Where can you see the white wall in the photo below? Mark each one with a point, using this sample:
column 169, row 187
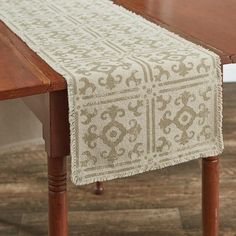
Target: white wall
column 19, row 125
column 230, row 73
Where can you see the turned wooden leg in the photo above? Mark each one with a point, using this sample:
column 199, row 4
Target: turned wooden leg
column 52, row 110
column 210, row 196
column 56, row 135
column 57, row 201
column 99, row 189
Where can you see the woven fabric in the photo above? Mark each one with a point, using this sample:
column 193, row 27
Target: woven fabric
column 140, row 97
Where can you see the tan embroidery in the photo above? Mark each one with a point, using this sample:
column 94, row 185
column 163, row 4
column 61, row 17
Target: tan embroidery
column 140, row 97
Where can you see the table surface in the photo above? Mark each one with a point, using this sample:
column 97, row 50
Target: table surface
column 211, row 23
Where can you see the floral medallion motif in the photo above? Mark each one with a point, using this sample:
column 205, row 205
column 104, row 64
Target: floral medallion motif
column 184, row 118
column 140, row 97
column 113, row 133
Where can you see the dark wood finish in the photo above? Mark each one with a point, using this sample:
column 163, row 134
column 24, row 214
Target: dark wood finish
column 23, row 72
column 233, row 59
column 56, row 135
column 99, row 189
column 17, row 74
column 56, row 124
column 210, row 23
column 52, row 111
column 214, row 29
column 210, row 196
column 57, row 196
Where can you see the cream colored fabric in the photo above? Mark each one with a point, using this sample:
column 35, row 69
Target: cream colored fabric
column 140, row 97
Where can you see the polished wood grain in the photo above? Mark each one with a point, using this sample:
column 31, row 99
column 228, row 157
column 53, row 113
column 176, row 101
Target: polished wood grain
column 57, row 197
column 210, row 196
column 17, row 74
column 57, row 144
column 52, row 110
column 22, row 71
column 211, row 23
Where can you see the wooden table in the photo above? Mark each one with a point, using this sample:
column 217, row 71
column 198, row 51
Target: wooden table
column 211, row 23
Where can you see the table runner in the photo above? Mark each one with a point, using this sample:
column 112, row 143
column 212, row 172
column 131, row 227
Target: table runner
column 140, row 97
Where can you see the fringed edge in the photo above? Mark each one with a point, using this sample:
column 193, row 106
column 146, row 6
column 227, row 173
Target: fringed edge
column 219, row 138
column 141, row 170
column 72, row 114
column 219, row 110
column 219, row 145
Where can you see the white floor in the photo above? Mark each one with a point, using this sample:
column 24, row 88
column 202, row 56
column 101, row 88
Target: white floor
column 229, row 73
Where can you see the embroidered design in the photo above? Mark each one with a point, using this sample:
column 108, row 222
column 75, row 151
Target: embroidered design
column 140, row 97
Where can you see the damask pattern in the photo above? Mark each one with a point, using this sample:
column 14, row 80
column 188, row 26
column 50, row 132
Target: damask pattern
column 140, row 97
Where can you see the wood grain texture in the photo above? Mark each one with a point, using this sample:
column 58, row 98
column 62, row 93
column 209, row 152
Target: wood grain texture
column 210, row 196
column 120, row 222
column 24, row 73
column 17, row 74
column 210, row 23
column 57, row 196
column 173, row 192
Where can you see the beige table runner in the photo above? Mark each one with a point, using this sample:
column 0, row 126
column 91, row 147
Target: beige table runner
column 140, row 97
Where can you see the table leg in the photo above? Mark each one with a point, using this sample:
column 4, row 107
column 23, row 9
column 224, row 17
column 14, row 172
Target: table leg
column 52, row 110
column 57, row 196
column 56, row 135
column 210, row 196
column 99, row 189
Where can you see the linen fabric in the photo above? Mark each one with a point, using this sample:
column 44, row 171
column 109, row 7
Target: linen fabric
column 140, row 97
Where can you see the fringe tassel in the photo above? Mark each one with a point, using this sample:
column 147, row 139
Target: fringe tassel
column 72, row 114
